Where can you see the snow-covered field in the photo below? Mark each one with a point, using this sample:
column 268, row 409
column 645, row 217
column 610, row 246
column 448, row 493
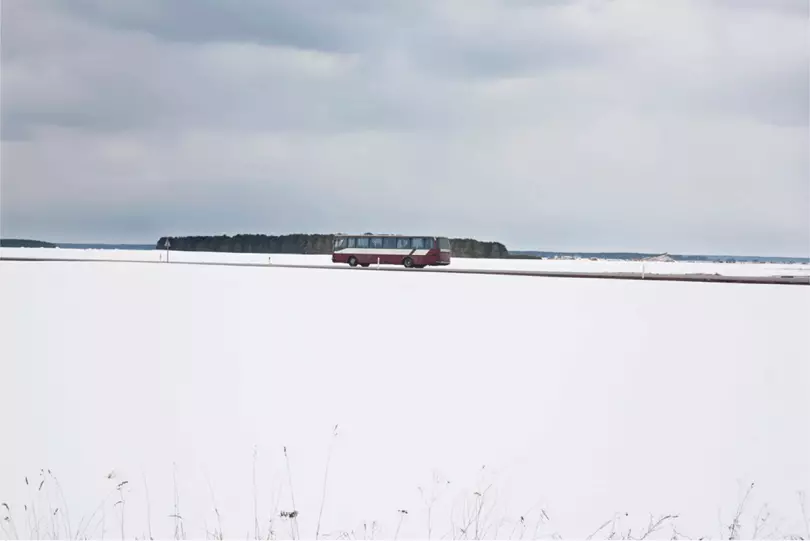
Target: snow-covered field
column 584, row 399
column 581, row 265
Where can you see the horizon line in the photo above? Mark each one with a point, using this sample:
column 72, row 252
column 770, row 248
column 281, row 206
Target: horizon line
column 527, row 251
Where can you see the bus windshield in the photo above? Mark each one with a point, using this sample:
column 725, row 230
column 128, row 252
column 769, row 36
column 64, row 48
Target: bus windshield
column 444, row 244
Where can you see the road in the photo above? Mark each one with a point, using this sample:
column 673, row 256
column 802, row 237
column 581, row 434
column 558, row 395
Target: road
column 774, row 280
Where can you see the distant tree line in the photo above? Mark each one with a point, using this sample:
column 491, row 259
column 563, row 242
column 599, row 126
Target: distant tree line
column 25, row 243
column 306, row 244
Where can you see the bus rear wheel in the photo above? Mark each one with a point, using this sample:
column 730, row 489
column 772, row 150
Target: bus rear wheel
column 352, row 261
column 408, row 262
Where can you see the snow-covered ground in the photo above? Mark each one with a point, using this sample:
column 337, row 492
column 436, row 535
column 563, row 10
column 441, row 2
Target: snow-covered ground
column 580, row 265
column 583, row 399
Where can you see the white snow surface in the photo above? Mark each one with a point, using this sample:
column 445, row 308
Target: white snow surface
column 578, row 265
column 581, row 398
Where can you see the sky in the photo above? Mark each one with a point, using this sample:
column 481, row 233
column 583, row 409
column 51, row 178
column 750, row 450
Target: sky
column 678, row 126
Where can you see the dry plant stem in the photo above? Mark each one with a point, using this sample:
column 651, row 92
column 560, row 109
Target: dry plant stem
column 600, row 528
column 325, row 479
column 430, row 502
column 148, row 506
column 734, row 529
column 292, row 494
column 653, row 527
column 803, row 507
column 760, row 521
column 12, row 524
column 218, row 532
column 83, row 532
column 176, row 515
column 33, row 510
column 179, row 531
column 66, row 511
column 122, row 501
column 476, row 517
column 255, row 499
column 402, row 514
column 51, row 512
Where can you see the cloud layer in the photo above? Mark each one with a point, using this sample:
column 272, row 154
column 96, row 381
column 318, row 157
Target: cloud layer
column 591, row 125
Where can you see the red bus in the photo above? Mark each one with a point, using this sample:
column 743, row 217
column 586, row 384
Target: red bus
column 412, row 252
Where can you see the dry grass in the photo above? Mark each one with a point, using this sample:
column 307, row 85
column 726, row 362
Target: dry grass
column 46, row 516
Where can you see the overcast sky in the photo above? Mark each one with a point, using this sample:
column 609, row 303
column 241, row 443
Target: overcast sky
column 676, row 125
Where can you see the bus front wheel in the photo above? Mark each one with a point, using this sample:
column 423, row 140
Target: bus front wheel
column 352, row 261
column 408, row 262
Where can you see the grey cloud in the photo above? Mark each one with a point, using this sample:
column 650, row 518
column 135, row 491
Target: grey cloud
column 191, row 87
column 307, row 24
column 791, row 8
column 561, row 126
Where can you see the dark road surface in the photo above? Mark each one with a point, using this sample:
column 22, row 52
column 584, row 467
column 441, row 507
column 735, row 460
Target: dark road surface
column 780, row 280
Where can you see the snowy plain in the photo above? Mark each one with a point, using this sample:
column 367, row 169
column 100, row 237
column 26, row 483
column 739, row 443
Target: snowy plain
column 580, row 399
column 580, row 265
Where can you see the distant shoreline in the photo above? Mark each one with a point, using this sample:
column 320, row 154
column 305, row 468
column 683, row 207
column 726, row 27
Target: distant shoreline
column 516, row 254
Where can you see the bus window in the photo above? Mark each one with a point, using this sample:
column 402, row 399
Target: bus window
column 390, row 243
column 340, row 243
column 352, row 242
column 417, row 243
column 428, row 243
column 376, row 242
column 444, row 244
column 404, row 244
column 362, row 242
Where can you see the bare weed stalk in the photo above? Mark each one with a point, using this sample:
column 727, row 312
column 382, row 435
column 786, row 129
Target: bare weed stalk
column 803, row 507
column 51, row 512
column 429, row 502
column 218, row 532
column 66, row 510
column 179, row 531
column 293, row 515
column 402, row 514
column 255, row 498
column 734, row 527
column 325, row 479
column 83, row 531
column 9, row 519
column 475, row 519
column 148, row 506
column 656, row 525
column 607, row 523
column 35, row 526
column 122, row 502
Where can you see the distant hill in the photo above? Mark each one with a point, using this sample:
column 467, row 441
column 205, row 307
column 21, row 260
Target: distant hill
column 307, row 244
column 25, row 243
